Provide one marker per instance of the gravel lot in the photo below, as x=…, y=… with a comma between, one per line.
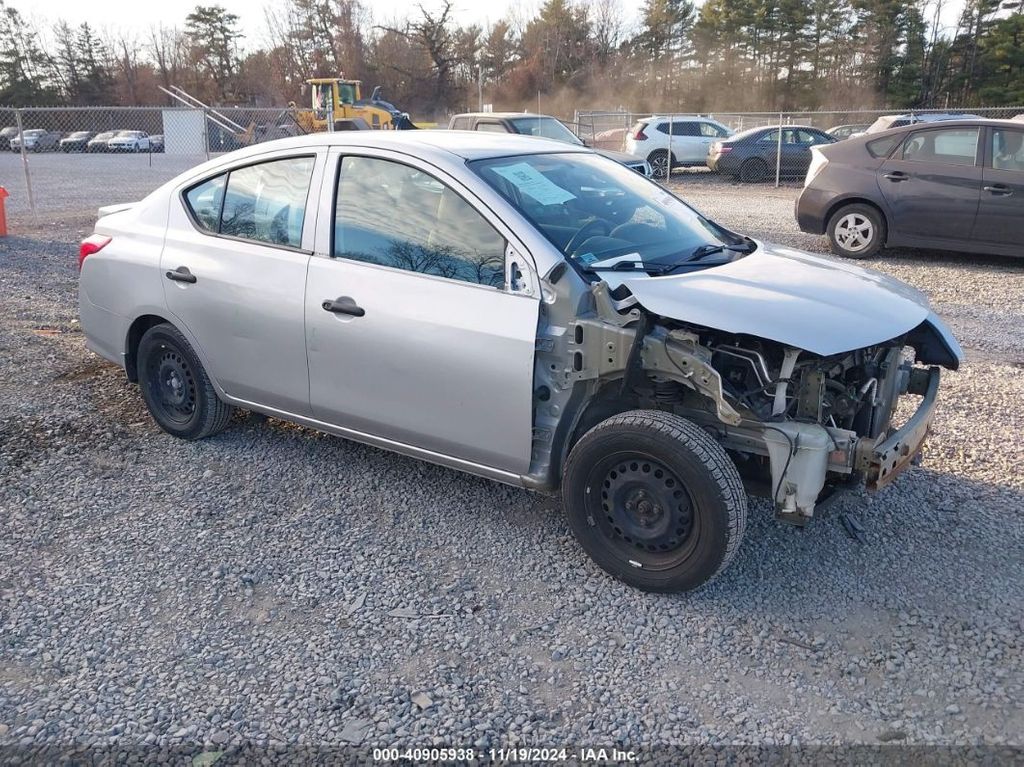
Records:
x=274, y=585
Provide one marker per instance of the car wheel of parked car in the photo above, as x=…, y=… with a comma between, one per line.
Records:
x=753, y=170
x=856, y=231
x=654, y=500
x=178, y=392
x=658, y=161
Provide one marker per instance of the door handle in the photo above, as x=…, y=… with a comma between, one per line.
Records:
x=343, y=305
x=1000, y=189
x=896, y=175
x=181, y=274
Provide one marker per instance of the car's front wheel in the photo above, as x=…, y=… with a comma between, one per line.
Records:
x=856, y=231
x=176, y=389
x=655, y=501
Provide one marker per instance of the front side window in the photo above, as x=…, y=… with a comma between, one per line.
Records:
x=545, y=127
x=952, y=146
x=599, y=213
x=1007, y=149
x=264, y=203
x=394, y=215
x=712, y=131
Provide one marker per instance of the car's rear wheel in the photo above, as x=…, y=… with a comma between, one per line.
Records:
x=856, y=231
x=659, y=163
x=176, y=389
x=753, y=171
x=655, y=501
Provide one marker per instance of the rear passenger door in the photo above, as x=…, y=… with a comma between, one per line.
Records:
x=932, y=183
x=1001, y=212
x=234, y=272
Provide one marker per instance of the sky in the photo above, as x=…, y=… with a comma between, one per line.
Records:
x=138, y=16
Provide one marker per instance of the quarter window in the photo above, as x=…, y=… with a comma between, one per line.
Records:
x=1007, y=149
x=394, y=215
x=264, y=202
x=205, y=202
x=953, y=146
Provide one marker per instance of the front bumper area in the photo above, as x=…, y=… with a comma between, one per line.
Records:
x=883, y=461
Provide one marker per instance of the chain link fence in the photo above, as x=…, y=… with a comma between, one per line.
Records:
x=73, y=160
x=782, y=153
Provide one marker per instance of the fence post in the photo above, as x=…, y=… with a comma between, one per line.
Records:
x=668, y=160
x=24, y=161
x=206, y=132
x=778, y=154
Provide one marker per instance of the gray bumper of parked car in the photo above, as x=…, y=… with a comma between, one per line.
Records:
x=811, y=209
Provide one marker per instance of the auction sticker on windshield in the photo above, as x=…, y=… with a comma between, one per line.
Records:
x=532, y=182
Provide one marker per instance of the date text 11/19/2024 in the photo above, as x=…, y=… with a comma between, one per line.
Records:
x=506, y=755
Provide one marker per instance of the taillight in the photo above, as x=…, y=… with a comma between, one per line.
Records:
x=94, y=243
x=639, y=135
x=724, y=149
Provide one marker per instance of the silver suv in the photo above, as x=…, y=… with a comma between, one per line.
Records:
x=522, y=310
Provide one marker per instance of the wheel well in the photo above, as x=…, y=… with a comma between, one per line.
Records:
x=855, y=201
x=604, y=404
x=665, y=152
x=131, y=344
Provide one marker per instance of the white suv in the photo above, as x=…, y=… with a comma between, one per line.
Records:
x=691, y=137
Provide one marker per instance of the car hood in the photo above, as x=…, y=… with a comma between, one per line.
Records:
x=622, y=157
x=791, y=297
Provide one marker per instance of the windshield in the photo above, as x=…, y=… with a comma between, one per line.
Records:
x=545, y=127
x=603, y=215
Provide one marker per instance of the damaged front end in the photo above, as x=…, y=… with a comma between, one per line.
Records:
x=799, y=425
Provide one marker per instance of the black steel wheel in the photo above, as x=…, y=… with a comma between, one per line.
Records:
x=654, y=500
x=176, y=389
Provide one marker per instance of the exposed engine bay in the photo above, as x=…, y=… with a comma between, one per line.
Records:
x=798, y=425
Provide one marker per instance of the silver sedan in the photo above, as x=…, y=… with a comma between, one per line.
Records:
x=522, y=310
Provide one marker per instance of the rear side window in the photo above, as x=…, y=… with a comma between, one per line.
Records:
x=882, y=147
x=263, y=203
x=492, y=127
x=952, y=146
x=683, y=128
x=460, y=123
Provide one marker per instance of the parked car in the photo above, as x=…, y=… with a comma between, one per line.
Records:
x=6, y=134
x=691, y=137
x=129, y=141
x=543, y=126
x=77, y=141
x=885, y=122
x=951, y=185
x=845, y=131
x=36, y=140
x=99, y=142
x=525, y=310
x=752, y=155
x=156, y=142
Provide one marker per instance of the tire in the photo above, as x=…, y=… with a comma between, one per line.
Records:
x=658, y=160
x=753, y=171
x=856, y=231
x=176, y=389
x=655, y=501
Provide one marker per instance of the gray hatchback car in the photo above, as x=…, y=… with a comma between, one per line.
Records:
x=955, y=185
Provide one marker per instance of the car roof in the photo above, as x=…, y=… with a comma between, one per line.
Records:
x=503, y=115
x=751, y=131
x=469, y=145
x=681, y=118
x=955, y=122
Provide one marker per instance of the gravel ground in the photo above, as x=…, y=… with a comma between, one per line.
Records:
x=274, y=585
